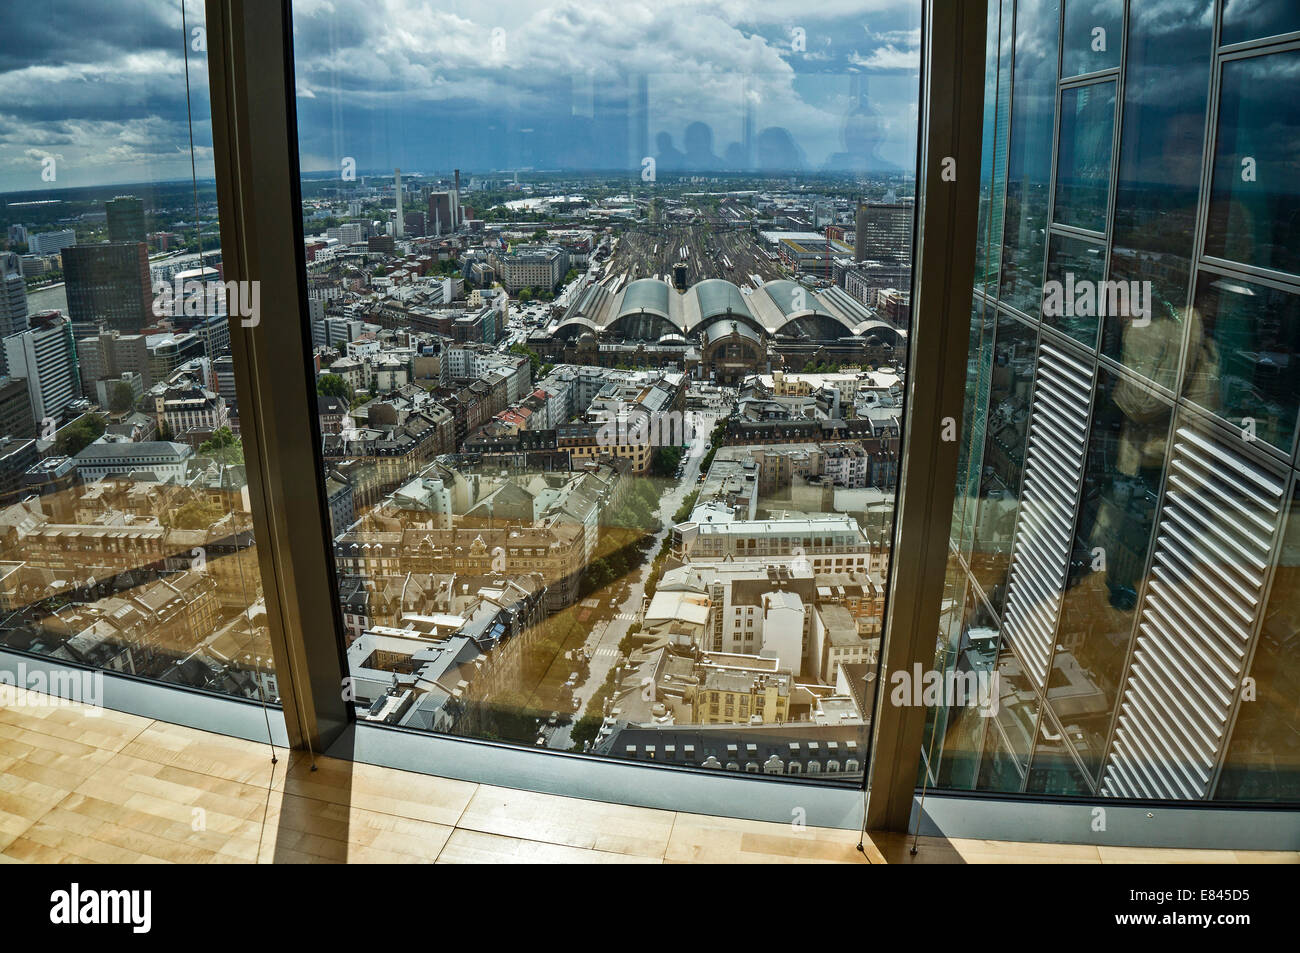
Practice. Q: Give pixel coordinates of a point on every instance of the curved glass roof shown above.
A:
(784, 293)
(649, 294)
(716, 296)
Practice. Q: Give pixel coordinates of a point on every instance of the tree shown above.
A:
(196, 514)
(79, 434)
(121, 397)
(534, 358)
(224, 446)
(664, 461)
(332, 385)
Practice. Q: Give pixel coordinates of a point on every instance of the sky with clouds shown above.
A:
(486, 86)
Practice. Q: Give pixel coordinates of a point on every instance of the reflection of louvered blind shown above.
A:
(1053, 470)
(1207, 582)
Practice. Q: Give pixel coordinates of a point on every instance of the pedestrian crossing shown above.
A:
(626, 616)
(606, 651)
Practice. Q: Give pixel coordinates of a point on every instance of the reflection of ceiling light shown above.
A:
(1232, 287)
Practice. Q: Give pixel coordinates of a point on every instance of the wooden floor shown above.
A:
(88, 785)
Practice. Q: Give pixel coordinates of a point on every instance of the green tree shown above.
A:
(121, 397)
(534, 358)
(332, 385)
(196, 514)
(224, 446)
(80, 434)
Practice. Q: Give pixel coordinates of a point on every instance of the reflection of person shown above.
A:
(698, 140)
(778, 152)
(667, 156)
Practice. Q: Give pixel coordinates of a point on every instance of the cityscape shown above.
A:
(610, 465)
(609, 352)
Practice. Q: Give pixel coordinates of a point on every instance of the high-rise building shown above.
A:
(109, 355)
(51, 243)
(108, 287)
(16, 418)
(13, 295)
(399, 223)
(884, 231)
(45, 357)
(125, 219)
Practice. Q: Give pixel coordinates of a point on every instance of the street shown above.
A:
(601, 645)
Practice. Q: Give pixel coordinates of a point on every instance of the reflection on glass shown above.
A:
(1165, 93)
(1083, 165)
(1029, 165)
(1243, 368)
(1010, 391)
(1010, 732)
(127, 540)
(974, 422)
(1093, 36)
(1254, 19)
(1263, 761)
(1121, 486)
(1054, 769)
(1077, 265)
(610, 354)
(1255, 199)
(993, 167)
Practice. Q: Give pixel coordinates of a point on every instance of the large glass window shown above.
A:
(127, 542)
(610, 316)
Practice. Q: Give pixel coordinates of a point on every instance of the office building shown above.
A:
(883, 232)
(108, 287)
(51, 243)
(125, 219)
(44, 356)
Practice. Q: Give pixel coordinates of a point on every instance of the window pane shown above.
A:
(1254, 19)
(1093, 34)
(1263, 762)
(1029, 165)
(1255, 202)
(993, 168)
(1165, 93)
(1083, 166)
(128, 541)
(1004, 455)
(1241, 357)
(1076, 266)
(611, 347)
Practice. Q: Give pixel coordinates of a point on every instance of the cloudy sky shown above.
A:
(490, 85)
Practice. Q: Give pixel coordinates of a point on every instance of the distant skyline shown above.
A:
(572, 85)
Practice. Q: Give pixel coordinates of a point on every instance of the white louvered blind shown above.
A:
(1216, 531)
(1058, 438)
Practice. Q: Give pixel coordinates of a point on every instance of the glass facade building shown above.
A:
(1123, 545)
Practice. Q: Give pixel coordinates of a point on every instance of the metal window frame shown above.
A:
(954, 37)
(255, 151)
